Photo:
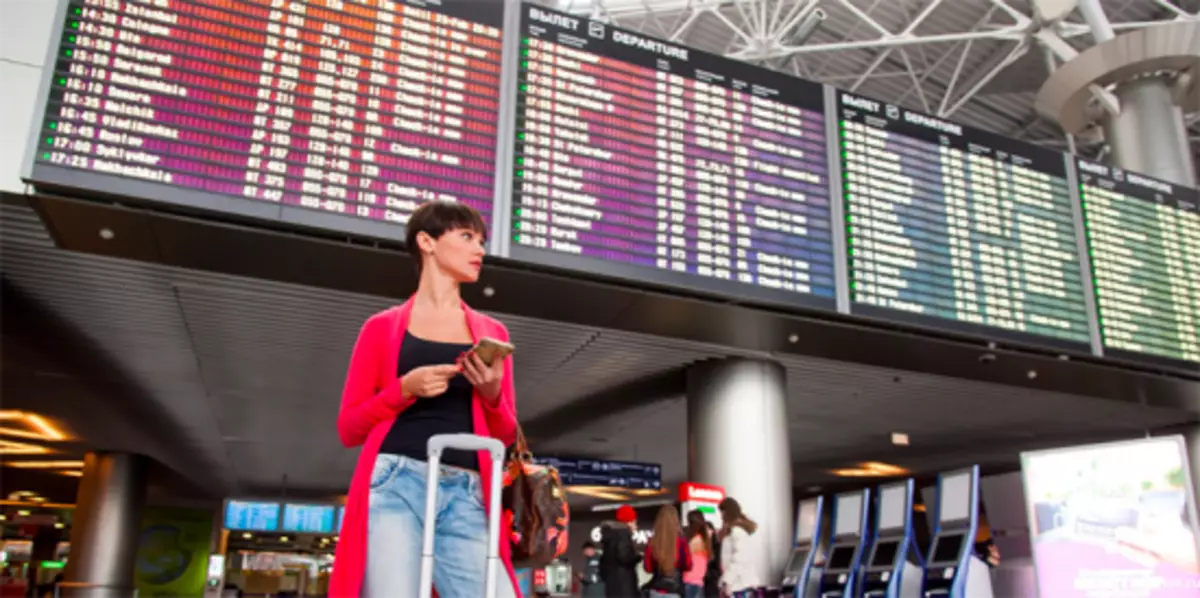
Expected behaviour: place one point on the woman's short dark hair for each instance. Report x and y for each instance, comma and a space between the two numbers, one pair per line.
435, 218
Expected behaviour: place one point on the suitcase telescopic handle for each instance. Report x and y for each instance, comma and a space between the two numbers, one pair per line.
467, 442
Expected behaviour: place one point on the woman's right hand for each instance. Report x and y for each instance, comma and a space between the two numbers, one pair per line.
428, 381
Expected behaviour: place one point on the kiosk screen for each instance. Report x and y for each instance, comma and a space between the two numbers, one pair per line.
885, 553
841, 558
946, 549
796, 563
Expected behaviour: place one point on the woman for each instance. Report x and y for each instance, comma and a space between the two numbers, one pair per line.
700, 545
668, 556
412, 375
739, 578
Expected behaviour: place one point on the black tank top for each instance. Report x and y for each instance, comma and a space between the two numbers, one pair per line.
447, 413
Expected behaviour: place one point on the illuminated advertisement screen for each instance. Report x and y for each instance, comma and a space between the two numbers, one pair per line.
1113, 520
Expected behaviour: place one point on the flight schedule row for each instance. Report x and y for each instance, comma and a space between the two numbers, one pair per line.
353, 109
1144, 249
940, 231
639, 165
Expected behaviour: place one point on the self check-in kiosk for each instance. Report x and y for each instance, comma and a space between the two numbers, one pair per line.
839, 578
952, 570
801, 579
893, 569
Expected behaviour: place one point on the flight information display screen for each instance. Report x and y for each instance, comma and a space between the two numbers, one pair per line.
252, 516
304, 518
1144, 243
595, 472
332, 113
949, 226
638, 158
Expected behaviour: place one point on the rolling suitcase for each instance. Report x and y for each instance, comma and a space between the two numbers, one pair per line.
469, 442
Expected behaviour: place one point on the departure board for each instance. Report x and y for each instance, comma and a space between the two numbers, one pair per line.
638, 158
253, 516
953, 227
311, 519
1144, 246
335, 113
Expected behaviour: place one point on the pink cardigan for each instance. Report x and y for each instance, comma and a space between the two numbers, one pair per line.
371, 400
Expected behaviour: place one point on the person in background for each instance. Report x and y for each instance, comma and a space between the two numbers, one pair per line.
739, 561
618, 558
413, 375
985, 544
589, 578
700, 544
712, 580
668, 557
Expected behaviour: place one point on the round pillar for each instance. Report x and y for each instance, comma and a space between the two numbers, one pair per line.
107, 524
1149, 135
738, 439
1191, 438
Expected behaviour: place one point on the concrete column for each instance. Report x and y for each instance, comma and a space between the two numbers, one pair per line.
1149, 136
1191, 438
107, 524
738, 439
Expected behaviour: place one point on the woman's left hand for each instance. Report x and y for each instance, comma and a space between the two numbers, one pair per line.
486, 379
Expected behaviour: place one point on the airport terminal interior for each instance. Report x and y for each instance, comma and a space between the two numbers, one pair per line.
915, 283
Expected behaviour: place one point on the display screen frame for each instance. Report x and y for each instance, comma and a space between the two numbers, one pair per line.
333, 524
958, 538
1125, 458
814, 95
231, 501
958, 481
885, 550
855, 499
1092, 173
796, 562
94, 185
1062, 166
841, 558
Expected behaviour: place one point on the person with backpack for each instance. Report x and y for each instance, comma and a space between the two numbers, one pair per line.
619, 558
589, 578
668, 557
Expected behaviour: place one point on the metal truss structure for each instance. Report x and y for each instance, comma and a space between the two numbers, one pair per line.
979, 62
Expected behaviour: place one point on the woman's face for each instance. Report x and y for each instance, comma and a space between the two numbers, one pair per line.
458, 253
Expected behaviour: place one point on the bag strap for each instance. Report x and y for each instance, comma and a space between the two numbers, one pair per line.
521, 450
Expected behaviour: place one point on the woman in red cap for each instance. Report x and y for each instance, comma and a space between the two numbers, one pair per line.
619, 560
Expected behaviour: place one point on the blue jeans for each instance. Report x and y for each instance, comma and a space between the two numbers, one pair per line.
395, 522
691, 591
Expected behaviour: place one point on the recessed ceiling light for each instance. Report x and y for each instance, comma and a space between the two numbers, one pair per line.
899, 439
794, 338
107, 234
488, 291
870, 469
12, 447
33, 426
247, 536
45, 464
